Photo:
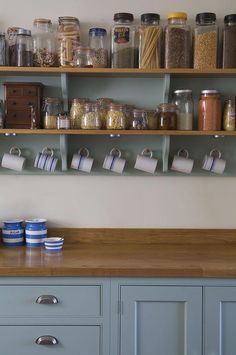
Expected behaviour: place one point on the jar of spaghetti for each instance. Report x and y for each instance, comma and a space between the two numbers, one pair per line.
68, 34
209, 111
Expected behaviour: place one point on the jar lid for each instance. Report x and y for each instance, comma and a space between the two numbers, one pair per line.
82, 100
97, 31
42, 21
68, 18
209, 91
230, 18
177, 15
138, 110
167, 106
53, 100
36, 220
150, 17
126, 16
85, 50
183, 91
23, 32
2, 34
114, 106
14, 221
205, 17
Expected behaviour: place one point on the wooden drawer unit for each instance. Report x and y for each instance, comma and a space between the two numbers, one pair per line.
18, 98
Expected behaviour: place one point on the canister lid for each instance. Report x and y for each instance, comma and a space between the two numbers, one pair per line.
209, 91
97, 31
126, 16
150, 17
36, 220
68, 19
230, 18
42, 21
13, 221
23, 32
177, 15
205, 17
183, 91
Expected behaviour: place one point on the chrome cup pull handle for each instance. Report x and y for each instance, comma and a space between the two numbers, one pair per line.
47, 299
46, 340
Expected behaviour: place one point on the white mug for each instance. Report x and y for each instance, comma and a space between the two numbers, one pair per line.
114, 162
45, 160
213, 162
146, 163
13, 160
82, 162
182, 163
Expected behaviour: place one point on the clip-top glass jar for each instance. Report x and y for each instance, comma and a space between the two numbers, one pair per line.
24, 48
44, 44
209, 111
91, 118
116, 117
229, 42
63, 121
177, 41
123, 41
68, 34
51, 108
76, 112
103, 104
205, 41
167, 117
98, 41
150, 38
84, 57
184, 102
139, 119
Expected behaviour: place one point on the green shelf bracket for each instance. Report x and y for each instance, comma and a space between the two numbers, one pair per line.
64, 90
166, 88
165, 153
64, 151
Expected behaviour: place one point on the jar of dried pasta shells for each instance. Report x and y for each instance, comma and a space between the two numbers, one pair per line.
116, 117
68, 34
76, 112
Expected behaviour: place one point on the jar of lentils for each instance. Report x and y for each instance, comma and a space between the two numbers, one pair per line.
91, 118
139, 119
209, 111
51, 109
167, 117
76, 112
116, 117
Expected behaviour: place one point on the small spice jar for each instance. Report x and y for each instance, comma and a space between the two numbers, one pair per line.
229, 42
184, 102
167, 117
84, 57
177, 41
103, 104
116, 117
150, 38
209, 111
51, 109
229, 116
139, 119
91, 118
98, 41
76, 112
3, 49
63, 121
24, 48
205, 41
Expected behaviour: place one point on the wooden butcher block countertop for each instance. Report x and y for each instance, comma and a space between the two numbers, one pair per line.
128, 252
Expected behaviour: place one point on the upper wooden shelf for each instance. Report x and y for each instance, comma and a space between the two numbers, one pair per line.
110, 72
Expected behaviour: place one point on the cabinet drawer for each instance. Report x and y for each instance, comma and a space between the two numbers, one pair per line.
72, 340
14, 91
15, 103
30, 91
72, 301
22, 117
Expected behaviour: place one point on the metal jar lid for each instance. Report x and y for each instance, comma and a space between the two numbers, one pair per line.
230, 18
206, 17
23, 32
125, 16
150, 17
183, 91
209, 91
97, 31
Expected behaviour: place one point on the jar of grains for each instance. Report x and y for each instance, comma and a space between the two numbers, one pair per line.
116, 117
123, 41
150, 38
229, 116
84, 57
167, 116
24, 50
44, 44
205, 41
184, 102
229, 42
91, 118
177, 41
3, 49
68, 35
103, 104
139, 119
76, 112
152, 119
51, 108
98, 41
209, 111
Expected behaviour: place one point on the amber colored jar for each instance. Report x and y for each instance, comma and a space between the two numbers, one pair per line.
209, 111
167, 116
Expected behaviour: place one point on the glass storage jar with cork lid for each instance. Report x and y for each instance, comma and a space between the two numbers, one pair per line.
52, 107
76, 112
167, 116
116, 117
91, 118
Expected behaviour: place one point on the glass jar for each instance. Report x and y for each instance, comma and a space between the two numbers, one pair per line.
152, 119
177, 41
229, 42
12, 34
229, 116
184, 101
44, 44
51, 109
24, 48
167, 117
2, 114
123, 41
68, 35
91, 118
209, 111
150, 38
103, 104
139, 119
116, 117
63, 121
98, 41
3, 49
84, 57
76, 112
205, 41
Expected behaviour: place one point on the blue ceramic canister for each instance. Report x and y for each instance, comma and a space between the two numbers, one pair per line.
35, 232
13, 233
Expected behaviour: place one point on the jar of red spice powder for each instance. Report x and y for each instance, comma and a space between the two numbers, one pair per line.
209, 111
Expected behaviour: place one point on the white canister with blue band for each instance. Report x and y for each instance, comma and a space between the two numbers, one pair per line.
13, 233
35, 232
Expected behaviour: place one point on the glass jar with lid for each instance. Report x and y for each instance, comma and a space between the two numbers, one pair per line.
103, 104
209, 111
76, 112
98, 41
91, 118
44, 44
3, 49
68, 35
139, 119
116, 117
51, 108
152, 119
84, 57
24, 48
178, 41
150, 39
205, 41
229, 116
123, 41
11, 34
184, 101
167, 116
229, 41
63, 121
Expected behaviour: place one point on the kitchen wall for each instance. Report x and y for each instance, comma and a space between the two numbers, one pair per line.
75, 201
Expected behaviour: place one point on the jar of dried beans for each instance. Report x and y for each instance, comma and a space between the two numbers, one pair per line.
229, 42
98, 41
116, 117
205, 41
209, 111
68, 35
177, 41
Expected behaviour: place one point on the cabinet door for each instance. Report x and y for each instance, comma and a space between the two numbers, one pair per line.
220, 321
157, 320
